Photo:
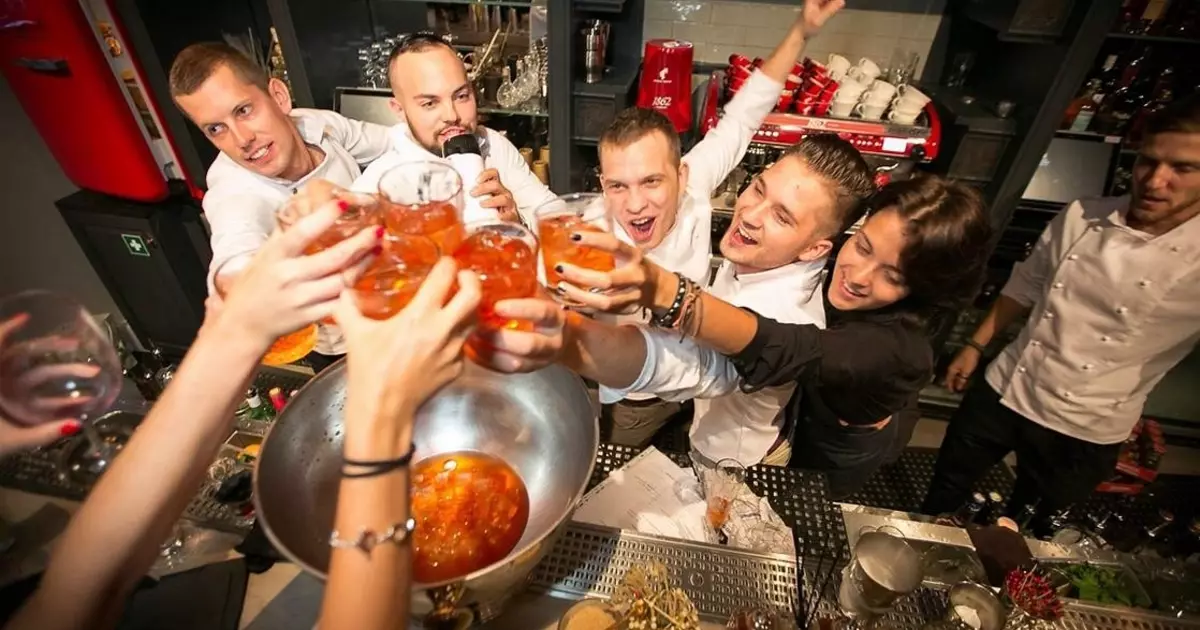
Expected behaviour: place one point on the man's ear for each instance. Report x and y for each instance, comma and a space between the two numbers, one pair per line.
396, 108
816, 251
278, 91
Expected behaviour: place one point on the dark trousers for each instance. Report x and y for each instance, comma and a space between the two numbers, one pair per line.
1053, 469
848, 455
318, 362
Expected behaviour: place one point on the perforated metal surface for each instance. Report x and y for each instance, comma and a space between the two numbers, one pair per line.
902, 484
800, 497
590, 561
1084, 617
37, 471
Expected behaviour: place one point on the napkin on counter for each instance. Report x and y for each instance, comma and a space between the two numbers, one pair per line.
653, 495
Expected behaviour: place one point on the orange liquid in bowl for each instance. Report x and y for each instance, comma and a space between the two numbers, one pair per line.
471, 510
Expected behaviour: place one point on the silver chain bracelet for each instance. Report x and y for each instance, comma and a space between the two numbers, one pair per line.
368, 540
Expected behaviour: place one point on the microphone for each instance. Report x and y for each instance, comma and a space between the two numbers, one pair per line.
463, 153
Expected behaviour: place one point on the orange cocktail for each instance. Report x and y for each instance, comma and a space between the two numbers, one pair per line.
558, 219
286, 349
504, 256
393, 278
424, 199
362, 212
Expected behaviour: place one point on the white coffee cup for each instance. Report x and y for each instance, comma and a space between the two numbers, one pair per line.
876, 99
901, 117
870, 112
913, 95
901, 105
867, 70
881, 87
842, 109
837, 64
850, 90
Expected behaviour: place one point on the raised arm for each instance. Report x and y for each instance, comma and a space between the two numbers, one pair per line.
393, 367
114, 538
722, 148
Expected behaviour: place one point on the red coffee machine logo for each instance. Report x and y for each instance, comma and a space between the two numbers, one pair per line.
666, 83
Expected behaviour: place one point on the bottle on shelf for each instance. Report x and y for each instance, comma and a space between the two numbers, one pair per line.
969, 510
1151, 20
1026, 515
1082, 109
1131, 16
992, 509
253, 412
1118, 109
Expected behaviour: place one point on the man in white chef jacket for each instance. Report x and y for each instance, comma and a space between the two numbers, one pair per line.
268, 151
1112, 290
661, 203
434, 100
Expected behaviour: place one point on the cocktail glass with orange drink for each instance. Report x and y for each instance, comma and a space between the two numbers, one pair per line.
393, 278
504, 256
558, 219
286, 349
424, 199
361, 212
722, 484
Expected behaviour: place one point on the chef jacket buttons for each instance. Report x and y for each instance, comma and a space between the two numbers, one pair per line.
1088, 367
1073, 257
1021, 369
1105, 338
1048, 315
1143, 283
1035, 343
1058, 285
1121, 310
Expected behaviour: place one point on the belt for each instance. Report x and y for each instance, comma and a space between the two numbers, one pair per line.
641, 404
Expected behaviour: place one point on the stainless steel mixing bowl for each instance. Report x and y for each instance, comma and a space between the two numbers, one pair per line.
542, 424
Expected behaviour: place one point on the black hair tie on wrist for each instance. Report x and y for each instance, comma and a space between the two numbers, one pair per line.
372, 468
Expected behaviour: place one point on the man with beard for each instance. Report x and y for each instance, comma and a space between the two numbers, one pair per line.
268, 151
1112, 290
661, 203
434, 100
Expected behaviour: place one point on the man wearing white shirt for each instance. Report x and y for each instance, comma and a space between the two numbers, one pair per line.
662, 203
1112, 290
268, 151
435, 101
775, 253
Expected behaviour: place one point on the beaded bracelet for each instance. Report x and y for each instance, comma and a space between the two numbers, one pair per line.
367, 540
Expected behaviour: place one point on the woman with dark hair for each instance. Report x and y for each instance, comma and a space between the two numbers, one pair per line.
922, 247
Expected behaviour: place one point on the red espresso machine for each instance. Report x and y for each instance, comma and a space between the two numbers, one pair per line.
892, 150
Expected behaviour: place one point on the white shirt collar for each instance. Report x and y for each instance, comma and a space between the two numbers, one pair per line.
789, 294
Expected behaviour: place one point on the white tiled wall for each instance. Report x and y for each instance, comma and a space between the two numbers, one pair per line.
718, 29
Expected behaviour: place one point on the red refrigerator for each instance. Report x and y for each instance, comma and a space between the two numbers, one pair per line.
69, 66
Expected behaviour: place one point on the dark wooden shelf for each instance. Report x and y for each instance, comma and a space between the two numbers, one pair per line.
1161, 39
1088, 135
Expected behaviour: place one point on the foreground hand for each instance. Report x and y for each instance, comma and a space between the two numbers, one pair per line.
815, 13
398, 363
628, 287
18, 437
282, 290
517, 351
961, 368
495, 195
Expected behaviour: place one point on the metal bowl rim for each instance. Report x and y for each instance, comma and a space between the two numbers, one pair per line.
323, 575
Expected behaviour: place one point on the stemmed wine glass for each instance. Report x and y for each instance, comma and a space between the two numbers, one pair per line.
57, 364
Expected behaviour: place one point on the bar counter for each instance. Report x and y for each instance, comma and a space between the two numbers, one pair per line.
588, 560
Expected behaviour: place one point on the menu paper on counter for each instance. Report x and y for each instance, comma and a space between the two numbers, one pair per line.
642, 496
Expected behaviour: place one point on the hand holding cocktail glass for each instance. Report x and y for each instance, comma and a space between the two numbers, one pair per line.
279, 291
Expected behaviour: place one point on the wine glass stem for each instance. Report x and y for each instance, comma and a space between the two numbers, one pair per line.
97, 444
